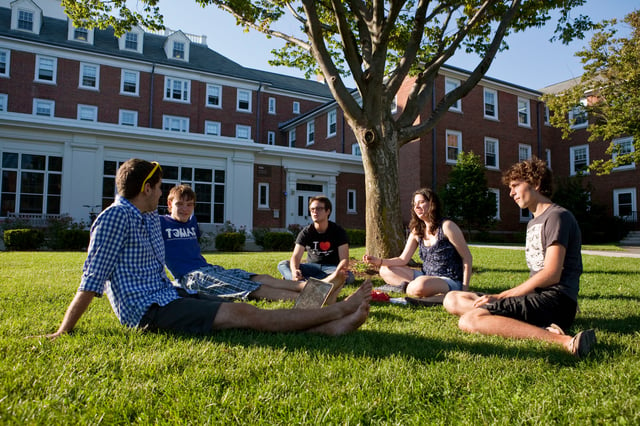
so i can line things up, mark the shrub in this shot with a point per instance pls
(278, 241)
(23, 239)
(72, 239)
(258, 235)
(357, 237)
(230, 241)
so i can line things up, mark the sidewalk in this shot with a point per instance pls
(630, 251)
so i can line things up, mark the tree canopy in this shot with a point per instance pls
(608, 92)
(381, 45)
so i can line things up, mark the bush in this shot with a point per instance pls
(294, 228)
(230, 241)
(357, 237)
(72, 239)
(23, 239)
(258, 235)
(278, 241)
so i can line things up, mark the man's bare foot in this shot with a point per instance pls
(347, 323)
(337, 279)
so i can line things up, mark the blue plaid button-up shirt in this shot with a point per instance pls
(126, 260)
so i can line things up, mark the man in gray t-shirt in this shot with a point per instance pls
(545, 304)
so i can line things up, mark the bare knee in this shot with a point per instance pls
(470, 320)
(451, 302)
(236, 315)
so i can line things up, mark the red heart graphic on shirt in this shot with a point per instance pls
(325, 245)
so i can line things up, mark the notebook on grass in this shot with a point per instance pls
(314, 294)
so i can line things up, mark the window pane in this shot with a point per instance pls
(204, 192)
(186, 174)
(33, 162)
(170, 172)
(54, 186)
(219, 176)
(55, 164)
(10, 159)
(31, 203)
(218, 194)
(9, 181)
(204, 175)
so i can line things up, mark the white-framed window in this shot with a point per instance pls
(579, 159)
(296, 107)
(244, 100)
(524, 152)
(176, 89)
(352, 206)
(547, 154)
(175, 124)
(5, 62)
(271, 138)
(80, 34)
(292, 138)
(578, 117)
(25, 20)
(547, 114)
(311, 132)
(89, 76)
(44, 107)
(355, 149)
(332, 126)
(272, 105)
(212, 128)
(490, 103)
(625, 146)
(525, 215)
(263, 195)
(524, 112)
(450, 84)
(496, 193)
(129, 82)
(87, 112)
(128, 117)
(214, 96)
(454, 145)
(46, 69)
(131, 41)
(4, 100)
(31, 183)
(394, 104)
(624, 203)
(243, 132)
(178, 50)
(491, 153)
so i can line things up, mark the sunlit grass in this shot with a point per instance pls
(404, 366)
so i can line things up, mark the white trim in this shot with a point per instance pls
(572, 158)
(494, 92)
(128, 111)
(54, 61)
(122, 80)
(87, 113)
(248, 100)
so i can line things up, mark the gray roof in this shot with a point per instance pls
(201, 57)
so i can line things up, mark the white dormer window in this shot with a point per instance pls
(177, 46)
(26, 16)
(81, 35)
(178, 50)
(133, 40)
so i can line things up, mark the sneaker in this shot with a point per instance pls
(582, 343)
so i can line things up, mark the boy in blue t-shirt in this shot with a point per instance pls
(184, 259)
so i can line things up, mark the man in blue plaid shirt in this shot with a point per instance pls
(126, 261)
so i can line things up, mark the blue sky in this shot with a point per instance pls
(531, 61)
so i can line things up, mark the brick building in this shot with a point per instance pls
(254, 144)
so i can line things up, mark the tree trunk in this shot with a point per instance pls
(385, 233)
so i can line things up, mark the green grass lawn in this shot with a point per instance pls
(406, 365)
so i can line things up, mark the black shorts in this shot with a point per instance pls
(192, 314)
(542, 308)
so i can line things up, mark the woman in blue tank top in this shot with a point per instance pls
(446, 259)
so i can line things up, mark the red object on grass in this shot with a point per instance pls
(378, 296)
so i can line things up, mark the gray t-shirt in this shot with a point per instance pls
(556, 225)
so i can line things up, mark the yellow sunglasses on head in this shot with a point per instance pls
(155, 167)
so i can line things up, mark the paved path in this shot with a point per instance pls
(624, 252)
